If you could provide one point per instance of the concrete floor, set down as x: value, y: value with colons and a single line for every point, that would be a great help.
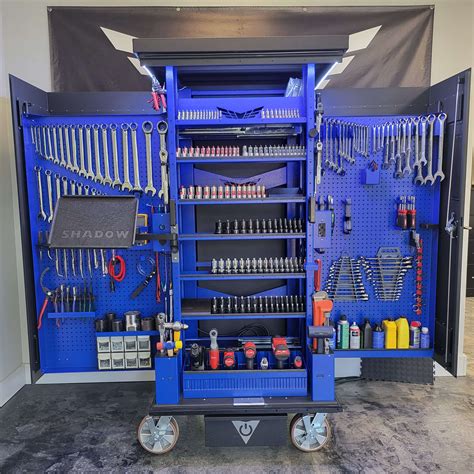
x: 385, y: 427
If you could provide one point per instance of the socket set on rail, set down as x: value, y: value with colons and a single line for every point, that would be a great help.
x: 218, y: 114
x: 258, y: 304
x: 229, y: 191
x: 257, y: 265
x: 66, y: 146
x: 260, y: 226
x: 229, y: 151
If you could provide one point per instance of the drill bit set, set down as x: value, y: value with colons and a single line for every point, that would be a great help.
x: 260, y: 226
x: 229, y: 191
x: 260, y: 265
x: 228, y: 151
x: 258, y: 304
x: 387, y: 272
x: 345, y: 281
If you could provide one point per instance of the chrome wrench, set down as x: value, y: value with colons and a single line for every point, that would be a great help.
x: 82, y: 165
x: 416, y: 122
x: 162, y: 128
x: 62, y: 162
x: 439, y: 173
x: 90, y: 171
x: 49, y: 186
x: 98, y: 172
x: 423, y: 141
x: 68, y: 148
x: 57, y: 183
x: 126, y: 186
x: 55, y: 146
x: 41, y: 214
x: 147, y: 130
x: 407, y: 169
x: 50, y: 146
x: 429, y: 176
x: 117, y: 181
x: 105, y: 147
x: 136, y: 172
x: 75, y: 167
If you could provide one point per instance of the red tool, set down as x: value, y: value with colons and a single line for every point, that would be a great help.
x: 250, y: 352
x: 158, y: 278
x: 213, y: 350
x: 120, y: 275
x: 158, y: 97
x: 298, y: 362
x: 49, y: 295
x: 321, y: 306
x: 280, y: 350
x: 317, y: 275
x: 229, y: 358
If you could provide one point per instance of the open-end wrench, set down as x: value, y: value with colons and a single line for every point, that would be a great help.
x: 90, y: 171
x: 423, y: 141
x: 136, y: 172
x: 105, y: 148
x: 98, y: 172
x: 126, y: 186
x: 62, y: 161
x: 57, y: 185
x: 147, y: 130
x: 113, y: 132
x: 429, y: 178
x: 162, y: 128
x: 75, y: 167
x: 407, y: 169
x: 439, y: 173
x: 49, y: 187
x: 82, y: 163
x: 41, y: 214
x: 55, y: 146
x: 68, y: 148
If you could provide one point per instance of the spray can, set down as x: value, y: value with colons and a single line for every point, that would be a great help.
x: 354, y: 339
x: 343, y: 333
x: 415, y: 334
x: 367, y: 335
x: 425, y: 338
x: 378, y: 337
x: 332, y: 340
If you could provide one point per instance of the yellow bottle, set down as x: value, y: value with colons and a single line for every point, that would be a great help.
x: 403, y: 333
x: 390, y: 329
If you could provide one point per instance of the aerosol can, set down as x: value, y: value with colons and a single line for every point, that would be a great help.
x: 354, y: 337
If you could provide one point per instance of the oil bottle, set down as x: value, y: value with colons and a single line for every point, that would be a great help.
x: 390, y: 329
x: 343, y: 333
x: 367, y: 335
x: 403, y: 333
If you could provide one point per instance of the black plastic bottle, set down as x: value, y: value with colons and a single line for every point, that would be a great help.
x: 367, y: 332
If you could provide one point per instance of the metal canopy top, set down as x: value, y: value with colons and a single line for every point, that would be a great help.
x: 271, y: 50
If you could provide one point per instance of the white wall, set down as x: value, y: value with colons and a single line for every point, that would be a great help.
x: 24, y: 51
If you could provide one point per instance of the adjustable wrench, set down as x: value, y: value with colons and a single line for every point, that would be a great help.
x: 105, y: 147
x: 68, y: 148
x: 75, y: 168
x: 90, y: 172
x: 439, y: 173
x: 136, y: 172
x: 162, y: 128
x: 147, y: 129
x: 126, y: 186
x: 49, y: 187
x: 82, y: 167
x: 98, y: 172
x: 113, y: 131
x: 41, y: 214
x: 429, y: 177
x: 55, y: 146
x: 62, y: 162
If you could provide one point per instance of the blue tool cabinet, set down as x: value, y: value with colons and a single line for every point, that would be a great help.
x: 233, y: 106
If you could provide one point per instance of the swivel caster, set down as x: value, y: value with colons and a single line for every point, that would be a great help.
x: 310, y: 433
x: 158, y: 435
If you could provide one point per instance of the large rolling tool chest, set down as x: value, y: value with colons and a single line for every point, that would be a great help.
x: 244, y: 233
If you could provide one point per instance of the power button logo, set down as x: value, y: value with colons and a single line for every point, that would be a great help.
x: 246, y: 429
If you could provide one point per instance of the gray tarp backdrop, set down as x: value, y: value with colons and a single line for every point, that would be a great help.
x: 91, y: 47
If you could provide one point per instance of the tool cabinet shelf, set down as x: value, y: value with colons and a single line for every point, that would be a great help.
x: 376, y: 353
x: 242, y: 276
x: 127, y: 333
x: 268, y: 200
x: 241, y: 159
x: 72, y: 315
x: 247, y: 236
x: 252, y: 121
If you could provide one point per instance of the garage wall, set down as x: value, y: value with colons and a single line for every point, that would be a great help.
x: 24, y: 52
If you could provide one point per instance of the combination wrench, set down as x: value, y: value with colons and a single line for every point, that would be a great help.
x: 50, y: 146
x: 82, y: 164
x: 57, y: 184
x: 55, y: 146
x: 41, y: 215
x: 136, y: 172
x: 75, y: 167
x: 423, y: 122
x: 162, y: 128
x: 407, y: 170
x: 429, y: 176
x: 62, y: 161
x: 105, y: 147
x: 68, y: 148
x: 90, y: 172
x: 49, y: 187
x: 439, y: 173
x: 147, y: 130
x: 126, y: 186
x: 98, y: 172
x: 113, y: 132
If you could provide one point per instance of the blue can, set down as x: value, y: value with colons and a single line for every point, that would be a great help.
x: 378, y: 338
x: 425, y: 338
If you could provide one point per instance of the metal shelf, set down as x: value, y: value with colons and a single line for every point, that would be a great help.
x: 240, y: 316
x: 266, y: 236
x: 267, y: 200
x: 364, y: 353
x: 242, y: 276
x: 240, y: 159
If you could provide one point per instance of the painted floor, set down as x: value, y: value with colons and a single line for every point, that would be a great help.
x: 385, y: 427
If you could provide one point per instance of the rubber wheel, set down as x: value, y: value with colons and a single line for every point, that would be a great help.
x: 158, y: 439
x: 307, y: 443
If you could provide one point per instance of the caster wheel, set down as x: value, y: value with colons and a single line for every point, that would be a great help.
x: 158, y: 434
x: 306, y: 437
